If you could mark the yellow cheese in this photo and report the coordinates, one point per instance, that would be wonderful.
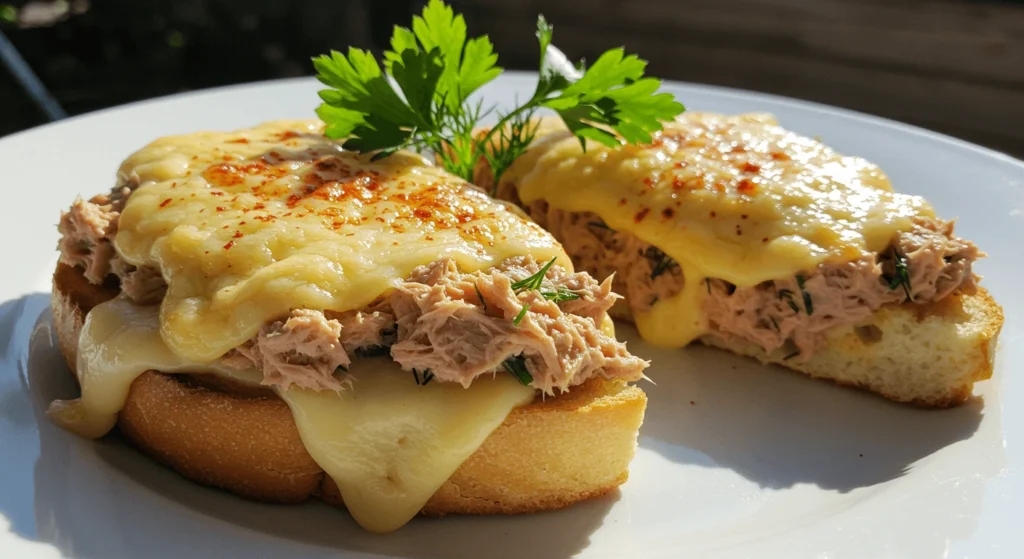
(119, 341)
(247, 225)
(736, 198)
(387, 442)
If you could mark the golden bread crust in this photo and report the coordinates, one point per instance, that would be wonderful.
(925, 355)
(245, 441)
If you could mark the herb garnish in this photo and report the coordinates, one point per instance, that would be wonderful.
(902, 275)
(422, 378)
(787, 295)
(522, 313)
(516, 365)
(535, 282)
(563, 293)
(808, 304)
(480, 295)
(661, 261)
(436, 68)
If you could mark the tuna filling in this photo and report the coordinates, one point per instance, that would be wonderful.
(920, 266)
(441, 323)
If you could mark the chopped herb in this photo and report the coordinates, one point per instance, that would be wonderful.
(422, 378)
(661, 262)
(791, 355)
(707, 282)
(563, 294)
(481, 296)
(534, 281)
(517, 367)
(522, 313)
(808, 305)
(774, 323)
(902, 275)
(787, 295)
(600, 225)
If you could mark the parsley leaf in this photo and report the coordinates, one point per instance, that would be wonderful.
(436, 68)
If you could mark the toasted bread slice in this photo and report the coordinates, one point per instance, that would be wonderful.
(546, 455)
(927, 355)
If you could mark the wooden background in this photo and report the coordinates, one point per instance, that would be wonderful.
(956, 66)
(950, 65)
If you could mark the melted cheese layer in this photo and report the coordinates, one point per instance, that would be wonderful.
(247, 225)
(388, 443)
(736, 198)
(119, 341)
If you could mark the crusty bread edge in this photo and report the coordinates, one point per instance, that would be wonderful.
(247, 444)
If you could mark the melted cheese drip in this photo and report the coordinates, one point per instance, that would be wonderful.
(388, 443)
(119, 341)
(736, 198)
(246, 226)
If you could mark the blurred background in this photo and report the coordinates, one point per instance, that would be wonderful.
(956, 66)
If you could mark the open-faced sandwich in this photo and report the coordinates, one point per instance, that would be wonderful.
(733, 231)
(269, 313)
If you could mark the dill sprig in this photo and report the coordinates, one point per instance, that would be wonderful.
(563, 293)
(522, 314)
(535, 282)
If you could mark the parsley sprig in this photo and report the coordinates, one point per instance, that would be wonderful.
(419, 100)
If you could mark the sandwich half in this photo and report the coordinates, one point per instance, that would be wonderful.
(270, 314)
(734, 232)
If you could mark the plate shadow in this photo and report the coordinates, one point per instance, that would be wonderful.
(779, 429)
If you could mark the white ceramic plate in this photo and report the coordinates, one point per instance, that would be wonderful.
(735, 460)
